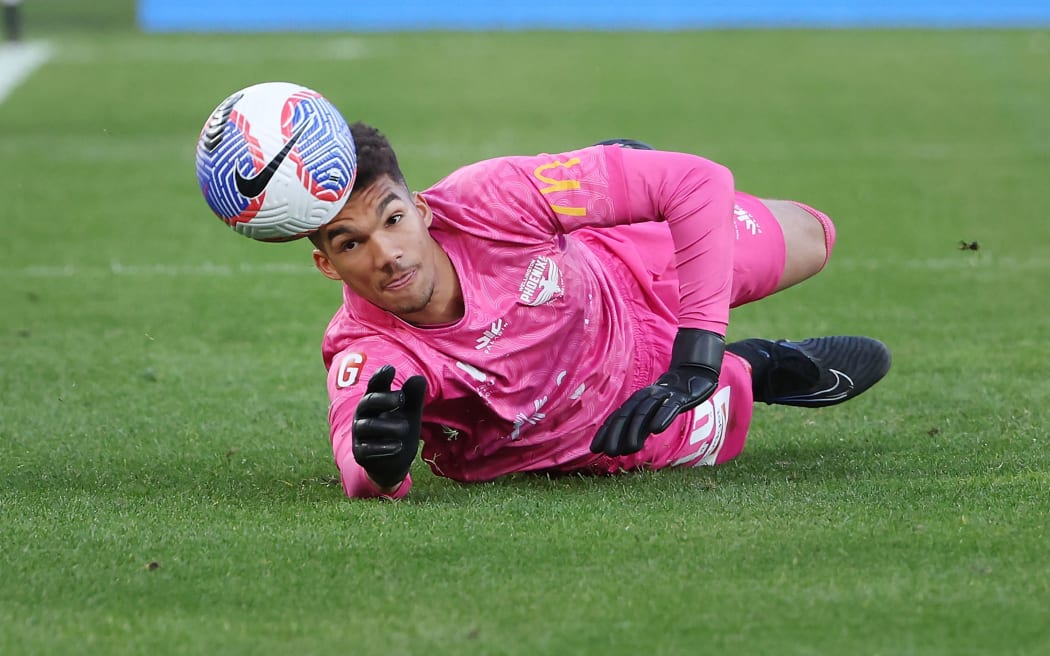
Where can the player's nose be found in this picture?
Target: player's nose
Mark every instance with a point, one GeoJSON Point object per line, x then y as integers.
{"type": "Point", "coordinates": [386, 250]}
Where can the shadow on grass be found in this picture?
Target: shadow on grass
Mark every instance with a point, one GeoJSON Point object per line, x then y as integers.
{"type": "Point", "coordinates": [301, 480]}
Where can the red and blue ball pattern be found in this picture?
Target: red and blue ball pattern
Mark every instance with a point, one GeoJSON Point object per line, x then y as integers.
{"type": "Point", "coordinates": [323, 156]}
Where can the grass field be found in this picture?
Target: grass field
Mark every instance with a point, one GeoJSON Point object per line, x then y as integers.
{"type": "Point", "coordinates": [166, 483]}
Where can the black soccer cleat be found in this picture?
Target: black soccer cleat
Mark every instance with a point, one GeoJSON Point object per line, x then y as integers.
{"type": "Point", "coordinates": [814, 372]}
{"type": "Point", "coordinates": [633, 144]}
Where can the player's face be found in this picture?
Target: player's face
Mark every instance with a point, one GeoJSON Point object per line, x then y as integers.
{"type": "Point", "coordinates": [380, 246]}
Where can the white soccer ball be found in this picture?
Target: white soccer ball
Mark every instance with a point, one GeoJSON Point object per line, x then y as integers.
{"type": "Point", "coordinates": [276, 161]}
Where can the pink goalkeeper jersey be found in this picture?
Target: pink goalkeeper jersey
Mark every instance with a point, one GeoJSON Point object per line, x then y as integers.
{"type": "Point", "coordinates": [568, 308]}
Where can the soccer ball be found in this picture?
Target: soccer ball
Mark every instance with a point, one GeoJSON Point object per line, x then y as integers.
{"type": "Point", "coordinates": [276, 161]}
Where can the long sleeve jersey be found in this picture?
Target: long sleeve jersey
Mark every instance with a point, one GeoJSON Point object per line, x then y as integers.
{"type": "Point", "coordinates": [576, 271]}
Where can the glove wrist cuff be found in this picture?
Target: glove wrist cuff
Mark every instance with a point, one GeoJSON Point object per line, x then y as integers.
{"type": "Point", "coordinates": [694, 347]}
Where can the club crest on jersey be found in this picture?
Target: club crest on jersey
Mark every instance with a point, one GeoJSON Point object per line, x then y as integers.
{"type": "Point", "coordinates": [350, 367]}
{"type": "Point", "coordinates": [542, 282]}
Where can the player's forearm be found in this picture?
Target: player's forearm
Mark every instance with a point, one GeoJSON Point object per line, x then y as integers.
{"type": "Point", "coordinates": [356, 482]}
{"type": "Point", "coordinates": [695, 196]}
{"type": "Point", "coordinates": [387, 490]}
{"type": "Point", "coordinates": [359, 485]}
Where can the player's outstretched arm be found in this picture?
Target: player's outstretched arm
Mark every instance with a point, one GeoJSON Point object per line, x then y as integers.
{"type": "Point", "coordinates": [386, 427]}
{"type": "Point", "coordinates": [696, 362]}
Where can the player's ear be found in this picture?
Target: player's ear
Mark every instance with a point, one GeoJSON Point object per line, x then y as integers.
{"type": "Point", "coordinates": [324, 265]}
{"type": "Point", "coordinates": [424, 208]}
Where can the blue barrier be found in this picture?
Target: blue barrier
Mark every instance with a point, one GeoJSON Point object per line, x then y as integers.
{"type": "Point", "coordinates": [391, 15]}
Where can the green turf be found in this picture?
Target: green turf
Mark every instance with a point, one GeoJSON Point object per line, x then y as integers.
{"type": "Point", "coordinates": [163, 395]}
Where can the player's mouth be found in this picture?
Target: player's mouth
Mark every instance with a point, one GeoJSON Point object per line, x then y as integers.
{"type": "Point", "coordinates": [401, 281]}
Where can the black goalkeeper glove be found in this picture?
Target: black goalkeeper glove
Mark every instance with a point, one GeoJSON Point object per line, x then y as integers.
{"type": "Point", "coordinates": [696, 361]}
{"type": "Point", "coordinates": [386, 427]}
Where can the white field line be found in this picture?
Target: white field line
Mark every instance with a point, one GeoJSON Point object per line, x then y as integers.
{"type": "Point", "coordinates": [18, 61]}
{"type": "Point", "coordinates": [965, 262]}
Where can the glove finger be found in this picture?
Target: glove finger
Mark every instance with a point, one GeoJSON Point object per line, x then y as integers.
{"type": "Point", "coordinates": [614, 435]}
{"type": "Point", "coordinates": [415, 391]}
{"type": "Point", "coordinates": [617, 440]}
{"type": "Point", "coordinates": [365, 450]}
{"type": "Point", "coordinates": [376, 403]}
{"type": "Point", "coordinates": [598, 441]}
{"type": "Point", "coordinates": [607, 440]}
{"type": "Point", "coordinates": [665, 415]}
{"type": "Point", "coordinates": [381, 380]}
{"type": "Point", "coordinates": [371, 429]}
{"type": "Point", "coordinates": [638, 428]}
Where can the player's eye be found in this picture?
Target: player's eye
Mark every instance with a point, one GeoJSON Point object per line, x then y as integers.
{"type": "Point", "coordinates": [395, 219]}
{"type": "Point", "coordinates": [348, 245]}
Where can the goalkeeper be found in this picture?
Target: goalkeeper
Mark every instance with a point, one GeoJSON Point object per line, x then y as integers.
{"type": "Point", "coordinates": [563, 313]}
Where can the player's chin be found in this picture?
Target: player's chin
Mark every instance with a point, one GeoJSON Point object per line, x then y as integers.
{"type": "Point", "coordinates": [406, 301]}
{"type": "Point", "coordinates": [403, 307]}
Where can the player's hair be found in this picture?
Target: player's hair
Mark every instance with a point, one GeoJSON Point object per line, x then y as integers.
{"type": "Point", "coordinates": [375, 158]}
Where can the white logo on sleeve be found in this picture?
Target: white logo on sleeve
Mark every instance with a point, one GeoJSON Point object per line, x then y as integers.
{"type": "Point", "coordinates": [747, 219]}
{"type": "Point", "coordinates": [350, 369]}
{"type": "Point", "coordinates": [542, 282]}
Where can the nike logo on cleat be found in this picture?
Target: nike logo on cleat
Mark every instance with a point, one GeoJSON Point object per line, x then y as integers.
{"type": "Point", "coordinates": [255, 185]}
{"type": "Point", "coordinates": [839, 390]}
